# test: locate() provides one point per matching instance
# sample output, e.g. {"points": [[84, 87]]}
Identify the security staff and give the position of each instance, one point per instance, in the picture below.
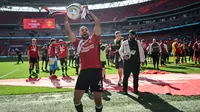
{"points": [[132, 53]]}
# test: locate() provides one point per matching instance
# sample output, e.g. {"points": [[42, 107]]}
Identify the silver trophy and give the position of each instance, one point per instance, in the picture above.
{"points": [[74, 11]]}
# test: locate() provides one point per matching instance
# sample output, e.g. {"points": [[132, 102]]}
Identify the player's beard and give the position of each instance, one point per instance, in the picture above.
{"points": [[85, 37], [132, 38]]}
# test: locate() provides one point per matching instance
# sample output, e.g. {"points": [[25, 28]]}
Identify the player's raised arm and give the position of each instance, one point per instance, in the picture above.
{"points": [[70, 34], [97, 27]]}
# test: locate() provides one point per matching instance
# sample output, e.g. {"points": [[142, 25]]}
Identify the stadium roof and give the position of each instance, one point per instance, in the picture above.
{"points": [[37, 5], [51, 2]]}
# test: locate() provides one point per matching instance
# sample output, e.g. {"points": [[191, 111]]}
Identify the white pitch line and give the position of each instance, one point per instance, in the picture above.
{"points": [[10, 73]]}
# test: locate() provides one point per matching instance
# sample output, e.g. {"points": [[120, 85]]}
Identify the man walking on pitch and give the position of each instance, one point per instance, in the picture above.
{"points": [[196, 48], [132, 53], [53, 61], [118, 60], [103, 60], [71, 56], [45, 59], [33, 56], [155, 51], [62, 54], [90, 74], [19, 54]]}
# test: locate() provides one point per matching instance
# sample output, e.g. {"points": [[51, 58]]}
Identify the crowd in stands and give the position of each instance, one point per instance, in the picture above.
{"points": [[108, 28]]}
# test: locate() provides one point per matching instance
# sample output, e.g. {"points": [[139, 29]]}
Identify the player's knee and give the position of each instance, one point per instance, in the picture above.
{"points": [[31, 66]]}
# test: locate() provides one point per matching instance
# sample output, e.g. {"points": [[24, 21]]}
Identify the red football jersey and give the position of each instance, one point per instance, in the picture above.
{"points": [[144, 46], [90, 53], [196, 46], [177, 48], [62, 51], [33, 51], [163, 49], [182, 50]]}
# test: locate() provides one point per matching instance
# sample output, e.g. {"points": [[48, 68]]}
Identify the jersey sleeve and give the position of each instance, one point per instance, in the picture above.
{"points": [[195, 46], [96, 38], [38, 48], [56, 44]]}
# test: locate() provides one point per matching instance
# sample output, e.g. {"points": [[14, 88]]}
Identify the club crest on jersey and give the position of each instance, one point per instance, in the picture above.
{"points": [[86, 49]]}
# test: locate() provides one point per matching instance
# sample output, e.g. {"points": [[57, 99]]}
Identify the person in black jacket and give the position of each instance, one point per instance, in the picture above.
{"points": [[19, 55], [132, 53]]}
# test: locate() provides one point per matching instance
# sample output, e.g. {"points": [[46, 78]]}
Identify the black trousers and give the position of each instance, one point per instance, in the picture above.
{"points": [[71, 60], [45, 60], [191, 54], [167, 58], [135, 70], [19, 58], [77, 62], [163, 58], [155, 56]]}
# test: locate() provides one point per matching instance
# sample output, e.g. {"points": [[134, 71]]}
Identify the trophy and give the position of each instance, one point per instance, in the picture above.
{"points": [[74, 11]]}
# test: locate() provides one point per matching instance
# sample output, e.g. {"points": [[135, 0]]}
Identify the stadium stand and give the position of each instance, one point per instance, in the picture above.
{"points": [[147, 16]]}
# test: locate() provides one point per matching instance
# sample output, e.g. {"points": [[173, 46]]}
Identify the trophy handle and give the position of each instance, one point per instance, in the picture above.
{"points": [[89, 17]]}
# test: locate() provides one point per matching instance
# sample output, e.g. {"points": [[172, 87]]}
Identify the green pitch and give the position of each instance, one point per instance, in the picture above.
{"points": [[11, 70], [112, 101], [22, 99]]}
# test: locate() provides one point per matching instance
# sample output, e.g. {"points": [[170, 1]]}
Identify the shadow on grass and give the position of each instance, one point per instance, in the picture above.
{"points": [[154, 103], [56, 83], [172, 71], [175, 71], [191, 65], [177, 67], [109, 68], [159, 83], [105, 95], [147, 68], [46, 71], [18, 63]]}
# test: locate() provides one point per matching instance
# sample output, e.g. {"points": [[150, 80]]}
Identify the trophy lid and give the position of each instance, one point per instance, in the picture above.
{"points": [[74, 11]]}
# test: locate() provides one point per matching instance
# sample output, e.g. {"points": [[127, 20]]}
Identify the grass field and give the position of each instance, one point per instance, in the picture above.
{"points": [[112, 101], [12, 90], [22, 99], [11, 70]]}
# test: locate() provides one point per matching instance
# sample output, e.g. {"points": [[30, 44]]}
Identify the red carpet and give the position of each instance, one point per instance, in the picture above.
{"points": [[155, 72], [175, 84]]}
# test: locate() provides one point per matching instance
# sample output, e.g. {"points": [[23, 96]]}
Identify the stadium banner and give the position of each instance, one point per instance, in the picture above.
{"points": [[39, 23]]}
